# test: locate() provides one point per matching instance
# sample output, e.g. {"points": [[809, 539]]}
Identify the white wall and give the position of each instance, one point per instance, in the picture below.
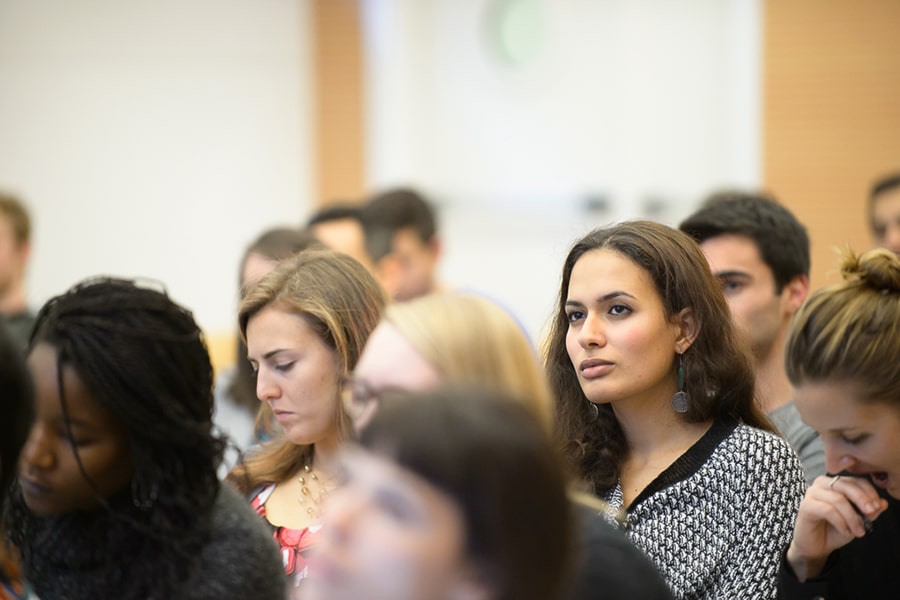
{"points": [[649, 104], [154, 137], [157, 137]]}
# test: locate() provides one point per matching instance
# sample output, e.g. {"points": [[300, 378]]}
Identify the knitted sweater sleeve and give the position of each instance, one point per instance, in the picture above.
{"points": [[773, 487]]}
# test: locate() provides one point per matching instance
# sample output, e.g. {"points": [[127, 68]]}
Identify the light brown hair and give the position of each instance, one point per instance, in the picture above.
{"points": [[342, 303], [850, 332], [471, 340]]}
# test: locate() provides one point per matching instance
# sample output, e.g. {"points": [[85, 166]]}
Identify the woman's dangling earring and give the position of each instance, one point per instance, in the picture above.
{"points": [[594, 411], [680, 398]]}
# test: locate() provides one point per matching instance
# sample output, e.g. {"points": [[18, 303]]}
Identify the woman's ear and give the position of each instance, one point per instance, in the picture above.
{"points": [[688, 328]]}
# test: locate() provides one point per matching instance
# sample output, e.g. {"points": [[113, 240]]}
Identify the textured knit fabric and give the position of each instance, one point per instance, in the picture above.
{"points": [[718, 519], [867, 568], [93, 555], [802, 438]]}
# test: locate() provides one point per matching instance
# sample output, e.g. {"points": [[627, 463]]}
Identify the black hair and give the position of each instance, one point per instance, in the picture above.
{"points": [[391, 211], [781, 239], [485, 450], [334, 212], [16, 406], [144, 359]]}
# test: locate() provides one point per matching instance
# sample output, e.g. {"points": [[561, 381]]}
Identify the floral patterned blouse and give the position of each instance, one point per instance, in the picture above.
{"points": [[295, 544]]}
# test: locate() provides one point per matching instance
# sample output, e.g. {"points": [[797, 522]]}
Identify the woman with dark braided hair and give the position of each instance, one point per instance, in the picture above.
{"points": [[118, 495]]}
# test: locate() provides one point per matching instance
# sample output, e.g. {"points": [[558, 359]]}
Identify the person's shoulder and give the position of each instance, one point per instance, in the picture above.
{"points": [[762, 459], [760, 441], [609, 565], [241, 559]]}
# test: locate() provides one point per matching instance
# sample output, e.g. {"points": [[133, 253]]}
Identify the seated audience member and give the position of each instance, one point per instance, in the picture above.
{"points": [[16, 400], [15, 248], [654, 396], [402, 242], [305, 324], [884, 212], [339, 227], [759, 252], [118, 495], [457, 493], [466, 339], [236, 405], [841, 356]]}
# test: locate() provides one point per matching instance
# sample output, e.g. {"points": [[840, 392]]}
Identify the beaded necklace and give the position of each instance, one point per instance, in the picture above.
{"points": [[312, 501]]}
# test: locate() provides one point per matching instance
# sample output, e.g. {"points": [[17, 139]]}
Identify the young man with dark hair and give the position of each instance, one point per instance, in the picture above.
{"points": [[884, 212], [339, 227], [760, 253], [402, 241]]}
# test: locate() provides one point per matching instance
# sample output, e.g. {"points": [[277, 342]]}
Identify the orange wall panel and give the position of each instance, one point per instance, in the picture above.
{"points": [[831, 114]]}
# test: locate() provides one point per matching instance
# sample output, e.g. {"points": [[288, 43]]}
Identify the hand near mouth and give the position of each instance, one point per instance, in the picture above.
{"points": [[834, 511]]}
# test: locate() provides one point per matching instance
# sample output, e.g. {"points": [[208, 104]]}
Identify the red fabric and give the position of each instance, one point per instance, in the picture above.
{"points": [[294, 543]]}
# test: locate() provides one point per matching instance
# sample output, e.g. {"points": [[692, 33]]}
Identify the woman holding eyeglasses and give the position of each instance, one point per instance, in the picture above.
{"points": [[305, 324]]}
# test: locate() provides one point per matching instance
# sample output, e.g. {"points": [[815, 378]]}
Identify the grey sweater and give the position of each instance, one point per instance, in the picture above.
{"points": [[93, 555], [718, 519], [241, 559]]}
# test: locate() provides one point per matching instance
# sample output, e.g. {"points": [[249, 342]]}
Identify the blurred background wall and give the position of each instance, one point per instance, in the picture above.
{"points": [[157, 137]]}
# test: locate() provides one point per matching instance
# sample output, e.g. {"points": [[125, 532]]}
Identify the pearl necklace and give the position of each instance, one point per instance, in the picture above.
{"points": [[307, 499]]}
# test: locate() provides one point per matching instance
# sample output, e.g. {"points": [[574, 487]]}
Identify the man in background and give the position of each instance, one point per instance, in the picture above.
{"points": [[402, 242], [884, 212], [15, 248], [759, 251], [338, 226]]}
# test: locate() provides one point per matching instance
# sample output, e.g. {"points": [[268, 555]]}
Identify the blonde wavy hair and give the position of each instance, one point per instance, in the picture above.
{"points": [[471, 340]]}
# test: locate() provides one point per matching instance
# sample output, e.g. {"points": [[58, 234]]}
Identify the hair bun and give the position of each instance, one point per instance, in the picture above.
{"points": [[877, 269]]}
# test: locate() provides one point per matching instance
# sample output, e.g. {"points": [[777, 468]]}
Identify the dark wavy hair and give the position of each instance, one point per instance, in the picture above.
{"points": [[718, 369], [781, 239], [144, 359]]}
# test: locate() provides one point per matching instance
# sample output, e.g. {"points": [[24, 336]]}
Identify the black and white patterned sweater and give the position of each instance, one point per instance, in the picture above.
{"points": [[717, 521]]}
